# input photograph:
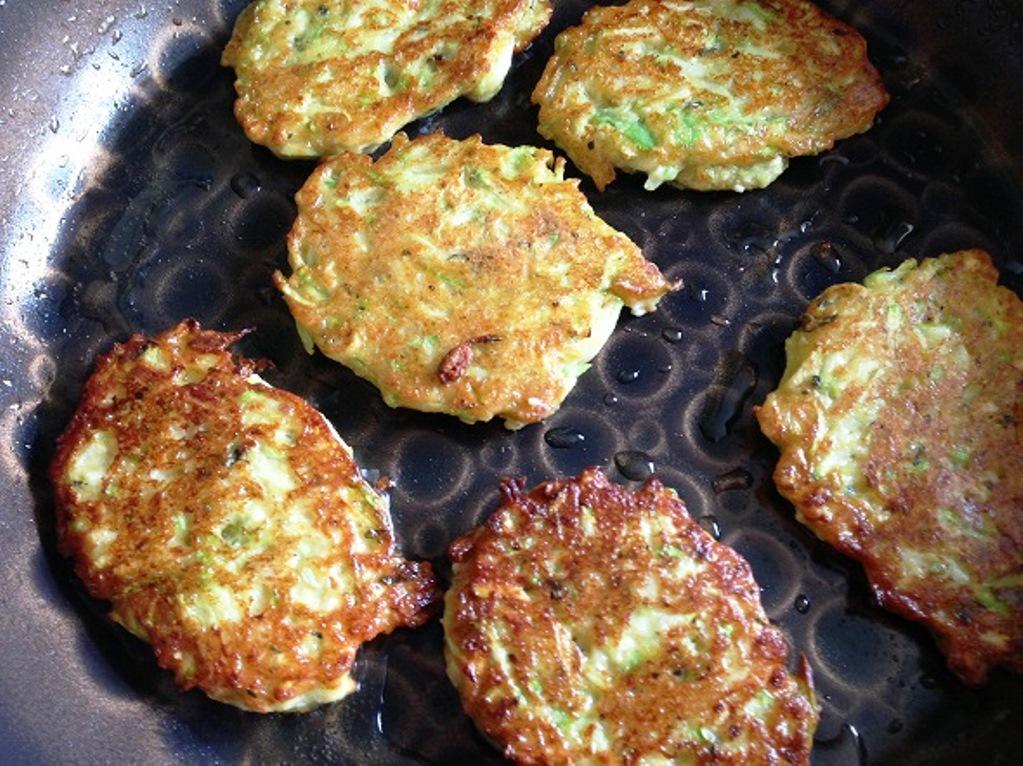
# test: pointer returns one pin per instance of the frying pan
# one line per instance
(130, 199)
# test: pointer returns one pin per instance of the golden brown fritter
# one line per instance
(460, 277)
(318, 77)
(590, 623)
(228, 525)
(711, 94)
(900, 424)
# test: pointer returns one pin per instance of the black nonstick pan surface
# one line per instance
(129, 199)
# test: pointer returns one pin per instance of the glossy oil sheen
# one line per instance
(130, 199)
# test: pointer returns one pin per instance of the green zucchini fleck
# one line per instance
(630, 126)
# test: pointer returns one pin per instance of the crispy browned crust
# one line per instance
(948, 447)
(356, 117)
(257, 662)
(817, 88)
(549, 588)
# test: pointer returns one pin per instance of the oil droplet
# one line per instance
(54, 125)
(736, 378)
(895, 236)
(627, 376)
(847, 745)
(801, 604)
(827, 256)
(672, 335)
(666, 368)
(245, 185)
(564, 437)
(737, 478)
(610, 400)
(710, 525)
(750, 238)
(634, 465)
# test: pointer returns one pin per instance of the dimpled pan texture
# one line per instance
(132, 199)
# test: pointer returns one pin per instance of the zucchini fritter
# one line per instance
(317, 77)
(228, 525)
(589, 623)
(711, 94)
(459, 277)
(900, 424)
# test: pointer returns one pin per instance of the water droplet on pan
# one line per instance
(564, 437)
(737, 478)
(672, 335)
(801, 604)
(610, 400)
(634, 465)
